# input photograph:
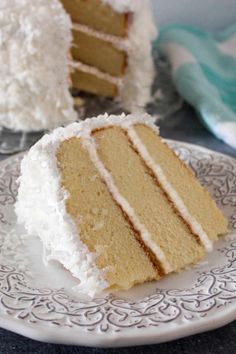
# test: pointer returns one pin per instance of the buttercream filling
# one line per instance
(118, 42)
(90, 145)
(168, 188)
(96, 72)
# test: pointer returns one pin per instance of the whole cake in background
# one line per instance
(113, 203)
(35, 39)
(112, 49)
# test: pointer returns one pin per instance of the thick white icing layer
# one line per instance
(41, 208)
(35, 38)
(125, 5)
(136, 90)
(168, 188)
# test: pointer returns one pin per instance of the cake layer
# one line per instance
(130, 26)
(98, 52)
(97, 15)
(204, 209)
(101, 224)
(88, 81)
(138, 186)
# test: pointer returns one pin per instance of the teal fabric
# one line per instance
(205, 75)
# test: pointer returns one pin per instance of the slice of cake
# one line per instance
(35, 39)
(114, 204)
(112, 49)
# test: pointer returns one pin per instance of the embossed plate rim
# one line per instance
(131, 336)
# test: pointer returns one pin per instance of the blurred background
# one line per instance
(208, 14)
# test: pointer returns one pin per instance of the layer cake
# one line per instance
(113, 37)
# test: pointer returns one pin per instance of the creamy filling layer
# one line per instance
(177, 201)
(118, 42)
(96, 72)
(90, 145)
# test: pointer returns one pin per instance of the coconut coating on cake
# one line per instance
(34, 46)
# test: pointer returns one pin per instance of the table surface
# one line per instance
(183, 126)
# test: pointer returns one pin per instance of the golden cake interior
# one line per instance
(101, 223)
(96, 51)
(97, 15)
(108, 58)
(196, 198)
(106, 229)
(91, 83)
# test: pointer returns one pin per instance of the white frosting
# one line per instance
(90, 145)
(118, 42)
(96, 72)
(35, 38)
(41, 208)
(125, 5)
(136, 91)
(168, 188)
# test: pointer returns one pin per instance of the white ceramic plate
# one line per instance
(38, 301)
